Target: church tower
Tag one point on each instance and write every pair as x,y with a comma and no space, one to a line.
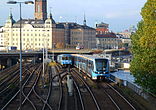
41,9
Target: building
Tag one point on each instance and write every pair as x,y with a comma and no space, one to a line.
102,28
44,32
83,36
108,41
36,33
2,39
40,9
40,32
125,36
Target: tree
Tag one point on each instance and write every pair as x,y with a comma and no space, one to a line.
59,45
143,65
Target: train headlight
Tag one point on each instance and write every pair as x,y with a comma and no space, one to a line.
94,77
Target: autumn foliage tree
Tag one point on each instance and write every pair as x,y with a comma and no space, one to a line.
143,65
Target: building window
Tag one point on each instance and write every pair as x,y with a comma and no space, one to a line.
38,8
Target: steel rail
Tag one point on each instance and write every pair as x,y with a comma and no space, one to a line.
90,91
122,97
5,106
80,96
27,96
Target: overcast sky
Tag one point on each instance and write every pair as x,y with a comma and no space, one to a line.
120,14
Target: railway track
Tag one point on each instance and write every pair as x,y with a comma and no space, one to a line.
52,93
10,86
14,101
28,88
57,89
87,95
82,107
5,73
38,102
48,90
11,77
109,97
119,100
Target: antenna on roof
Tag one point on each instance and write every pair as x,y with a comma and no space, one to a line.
84,21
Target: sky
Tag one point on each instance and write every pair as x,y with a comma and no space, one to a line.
119,14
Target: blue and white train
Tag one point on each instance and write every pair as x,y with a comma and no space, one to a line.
64,59
95,67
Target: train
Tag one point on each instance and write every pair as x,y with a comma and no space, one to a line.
9,48
12,48
2,48
65,60
95,67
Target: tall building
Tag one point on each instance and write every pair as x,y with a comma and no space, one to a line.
43,32
36,34
41,9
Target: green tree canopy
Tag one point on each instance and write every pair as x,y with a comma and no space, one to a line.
143,65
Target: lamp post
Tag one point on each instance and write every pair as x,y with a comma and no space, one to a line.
53,52
18,2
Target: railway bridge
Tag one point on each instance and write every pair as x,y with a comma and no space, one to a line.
9,58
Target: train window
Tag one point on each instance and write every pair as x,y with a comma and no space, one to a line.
69,58
90,65
101,64
64,58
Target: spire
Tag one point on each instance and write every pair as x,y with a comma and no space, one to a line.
10,15
84,21
50,15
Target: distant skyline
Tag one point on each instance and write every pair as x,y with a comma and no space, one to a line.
119,14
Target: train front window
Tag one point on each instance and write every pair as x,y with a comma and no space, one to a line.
66,58
101,64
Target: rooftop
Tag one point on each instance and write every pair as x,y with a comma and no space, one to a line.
107,35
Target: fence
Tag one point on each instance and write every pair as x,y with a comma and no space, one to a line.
137,89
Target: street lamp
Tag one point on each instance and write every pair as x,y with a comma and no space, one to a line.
53,52
18,2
